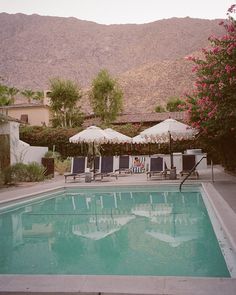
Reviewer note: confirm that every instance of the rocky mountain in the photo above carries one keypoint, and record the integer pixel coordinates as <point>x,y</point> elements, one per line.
<point>147,59</point>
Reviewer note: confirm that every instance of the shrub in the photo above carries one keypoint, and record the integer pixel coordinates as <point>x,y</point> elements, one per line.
<point>36,172</point>
<point>15,173</point>
<point>62,166</point>
<point>21,172</point>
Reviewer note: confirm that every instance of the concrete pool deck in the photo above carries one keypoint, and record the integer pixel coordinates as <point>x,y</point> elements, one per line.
<point>223,199</point>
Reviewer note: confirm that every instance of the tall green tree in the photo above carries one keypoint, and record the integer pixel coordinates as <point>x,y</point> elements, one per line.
<point>65,95</point>
<point>212,108</point>
<point>106,97</point>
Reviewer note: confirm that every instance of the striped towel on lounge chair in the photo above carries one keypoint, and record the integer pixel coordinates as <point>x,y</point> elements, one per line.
<point>138,164</point>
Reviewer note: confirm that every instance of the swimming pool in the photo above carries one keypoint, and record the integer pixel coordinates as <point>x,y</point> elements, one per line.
<point>114,231</point>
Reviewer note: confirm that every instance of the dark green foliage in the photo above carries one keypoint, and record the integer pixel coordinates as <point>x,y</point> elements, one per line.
<point>45,136</point>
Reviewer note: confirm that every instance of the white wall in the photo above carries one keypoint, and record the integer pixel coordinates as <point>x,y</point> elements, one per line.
<point>24,153</point>
<point>19,150</point>
<point>34,154</point>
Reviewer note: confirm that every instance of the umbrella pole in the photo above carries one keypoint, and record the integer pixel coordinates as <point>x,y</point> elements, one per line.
<point>93,161</point>
<point>170,151</point>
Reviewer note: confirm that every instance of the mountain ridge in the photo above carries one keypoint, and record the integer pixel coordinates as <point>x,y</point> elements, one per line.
<point>36,48</point>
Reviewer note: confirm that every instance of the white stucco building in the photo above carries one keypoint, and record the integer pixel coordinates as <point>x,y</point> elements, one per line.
<point>12,149</point>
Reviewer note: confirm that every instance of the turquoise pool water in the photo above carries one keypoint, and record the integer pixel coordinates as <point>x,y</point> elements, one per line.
<point>111,231</point>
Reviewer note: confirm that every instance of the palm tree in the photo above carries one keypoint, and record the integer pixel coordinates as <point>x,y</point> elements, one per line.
<point>29,94</point>
<point>12,91</point>
<point>39,95</point>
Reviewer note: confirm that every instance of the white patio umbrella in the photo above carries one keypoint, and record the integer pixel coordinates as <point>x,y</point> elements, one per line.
<point>167,131</point>
<point>140,140</point>
<point>91,135</point>
<point>118,137</point>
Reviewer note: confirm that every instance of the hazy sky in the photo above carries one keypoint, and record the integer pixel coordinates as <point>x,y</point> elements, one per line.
<point>120,11</point>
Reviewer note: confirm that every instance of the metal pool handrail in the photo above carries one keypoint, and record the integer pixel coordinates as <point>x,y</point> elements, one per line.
<point>190,172</point>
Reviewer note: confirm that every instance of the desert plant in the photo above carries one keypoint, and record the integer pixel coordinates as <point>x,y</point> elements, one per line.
<point>62,166</point>
<point>15,173</point>
<point>36,172</point>
<point>22,172</point>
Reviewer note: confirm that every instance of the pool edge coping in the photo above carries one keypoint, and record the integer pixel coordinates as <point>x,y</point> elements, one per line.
<point>72,284</point>
<point>224,212</point>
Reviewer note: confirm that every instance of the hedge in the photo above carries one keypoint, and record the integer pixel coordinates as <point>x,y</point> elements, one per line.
<point>59,138</point>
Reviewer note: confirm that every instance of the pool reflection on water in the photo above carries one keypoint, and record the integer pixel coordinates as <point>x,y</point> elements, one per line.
<point>112,232</point>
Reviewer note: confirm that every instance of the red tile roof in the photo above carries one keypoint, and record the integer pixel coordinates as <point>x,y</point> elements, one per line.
<point>148,117</point>
<point>139,118</point>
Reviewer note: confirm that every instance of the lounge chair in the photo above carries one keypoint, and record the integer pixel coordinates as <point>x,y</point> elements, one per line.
<point>189,162</point>
<point>77,168</point>
<point>124,165</point>
<point>107,168</point>
<point>157,167</point>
